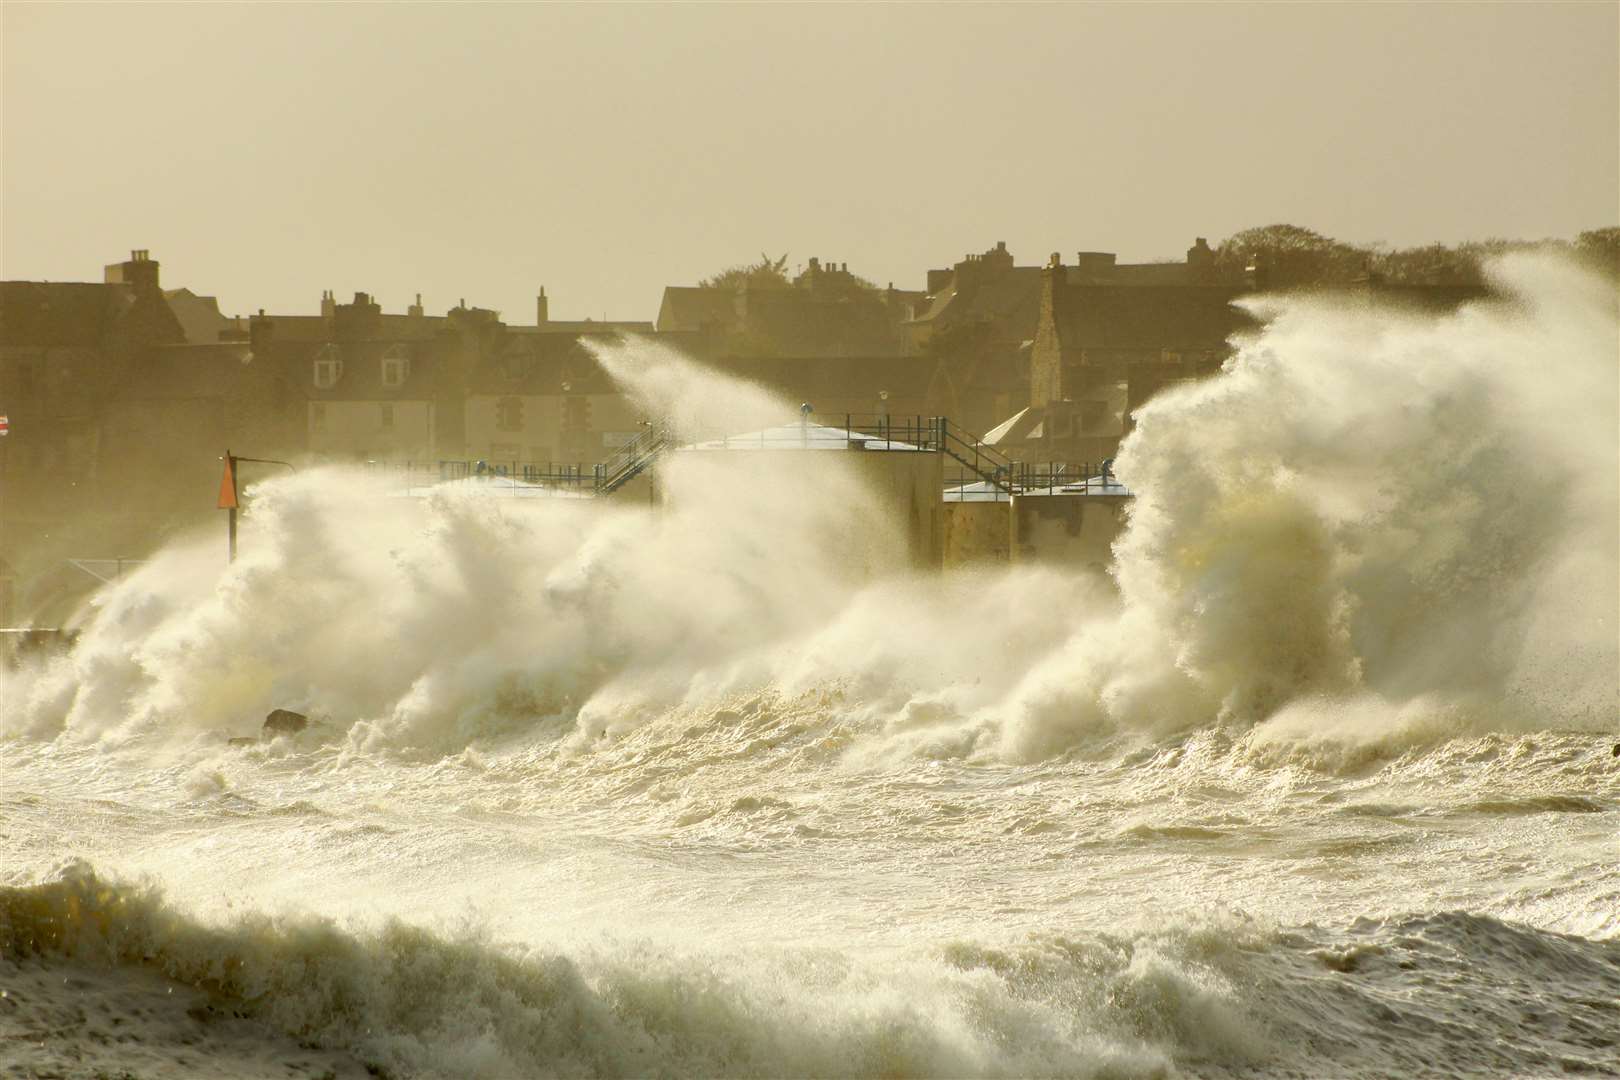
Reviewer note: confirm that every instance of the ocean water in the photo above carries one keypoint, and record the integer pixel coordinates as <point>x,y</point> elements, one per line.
<point>1320,781</point>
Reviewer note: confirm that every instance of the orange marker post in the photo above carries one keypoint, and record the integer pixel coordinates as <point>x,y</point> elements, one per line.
<point>228,502</point>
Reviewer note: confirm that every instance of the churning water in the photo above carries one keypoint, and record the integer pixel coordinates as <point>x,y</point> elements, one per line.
<point>1320,784</point>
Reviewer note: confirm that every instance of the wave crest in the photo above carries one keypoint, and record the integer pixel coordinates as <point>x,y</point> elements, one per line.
<point>1374,527</point>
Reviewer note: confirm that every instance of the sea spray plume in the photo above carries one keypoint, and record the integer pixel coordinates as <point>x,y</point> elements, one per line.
<point>428,624</point>
<point>1372,523</point>
<point>677,392</point>
<point>1413,512</point>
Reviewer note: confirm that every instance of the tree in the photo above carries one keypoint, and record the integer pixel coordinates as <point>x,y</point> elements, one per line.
<point>1431,264</point>
<point>1292,255</point>
<point>1601,247</point>
<point>768,273</point>
<point>1298,256</point>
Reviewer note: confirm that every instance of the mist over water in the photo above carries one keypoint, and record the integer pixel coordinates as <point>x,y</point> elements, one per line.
<point>1320,774</point>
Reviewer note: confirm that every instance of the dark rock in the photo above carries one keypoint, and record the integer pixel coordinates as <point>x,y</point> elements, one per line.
<point>243,741</point>
<point>285,722</point>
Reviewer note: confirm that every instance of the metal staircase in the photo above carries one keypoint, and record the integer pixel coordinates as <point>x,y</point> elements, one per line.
<point>978,461</point>
<point>936,433</point>
<point>630,460</point>
<point>986,462</point>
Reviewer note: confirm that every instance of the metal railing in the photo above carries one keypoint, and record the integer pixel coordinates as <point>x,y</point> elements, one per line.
<point>970,460</point>
<point>522,477</point>
<point>629,460</point>
<point>1023,478</point>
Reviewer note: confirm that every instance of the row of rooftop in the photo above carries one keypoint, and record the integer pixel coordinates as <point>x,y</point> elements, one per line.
<point>122,393</point>
<point>31,313</point>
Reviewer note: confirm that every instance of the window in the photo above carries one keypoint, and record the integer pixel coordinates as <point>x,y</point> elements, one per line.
<point>576,413</point>
<point>519,363</point>
<point>328,367</point>
<point>509,414</point>
<point>317,416</point>
<point>387,412</point>
<point>396,367</point>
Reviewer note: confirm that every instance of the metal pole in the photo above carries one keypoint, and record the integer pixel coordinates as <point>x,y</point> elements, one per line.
<point>230,511</point>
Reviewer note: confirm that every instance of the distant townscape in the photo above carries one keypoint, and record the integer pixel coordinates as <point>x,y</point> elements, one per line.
<point>120,396</point>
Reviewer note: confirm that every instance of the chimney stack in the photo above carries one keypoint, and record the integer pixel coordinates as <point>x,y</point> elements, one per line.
<point>139,272</point>
<point>542,310</point>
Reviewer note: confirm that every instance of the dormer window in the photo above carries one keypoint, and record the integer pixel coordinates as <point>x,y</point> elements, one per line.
<point>328,367</point>
<point>396,367</point>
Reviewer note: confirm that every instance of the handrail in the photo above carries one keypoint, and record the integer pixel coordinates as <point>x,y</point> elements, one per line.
<point>987,463</point>
<point>933,434</point>
<point>629,460</point>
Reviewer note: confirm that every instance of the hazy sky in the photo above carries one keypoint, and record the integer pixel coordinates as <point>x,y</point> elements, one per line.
<point>264,153</point>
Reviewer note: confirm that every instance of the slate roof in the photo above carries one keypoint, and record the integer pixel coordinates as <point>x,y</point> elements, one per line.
<point>694,307</point>
<point>191,372</point>
<point>797,321</point>
<point>1168,317</point>
<point>362,374</point>
<point>1011,297</point>
<point>411,327</point>
<point>389,327</point>
<point>791,321</point>
<point>48,313</point>
<point>1158,274</point>
<point>537,365</point>
<point>299,327</point>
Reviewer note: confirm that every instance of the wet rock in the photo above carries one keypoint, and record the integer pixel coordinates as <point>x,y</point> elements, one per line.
<point>243,741</point>
<point>284,722</point>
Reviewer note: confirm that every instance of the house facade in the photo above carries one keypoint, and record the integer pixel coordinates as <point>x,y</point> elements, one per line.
<point>543,399</point>
<point>1106,342</point>
<point>65,350</point>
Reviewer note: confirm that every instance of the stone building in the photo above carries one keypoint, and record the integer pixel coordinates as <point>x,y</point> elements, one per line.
<point>981,315</point>
<point>65,349</point>
<point>541,399</point>
<point>1110,336</point>
<point>1106,341</point>
<point>371,386</point>
<point>177,409</point>
<point>824,312</point>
